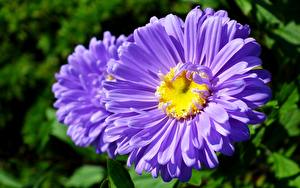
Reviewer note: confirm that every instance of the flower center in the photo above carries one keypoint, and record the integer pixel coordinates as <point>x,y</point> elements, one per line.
<point>181,97</point>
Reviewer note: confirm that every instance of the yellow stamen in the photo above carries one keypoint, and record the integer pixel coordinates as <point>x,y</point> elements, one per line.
<point>110,77</point>
<point>179,97</point>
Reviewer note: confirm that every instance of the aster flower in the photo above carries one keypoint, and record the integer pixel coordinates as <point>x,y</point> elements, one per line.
<point>80,95</point>
<point>185,90</point>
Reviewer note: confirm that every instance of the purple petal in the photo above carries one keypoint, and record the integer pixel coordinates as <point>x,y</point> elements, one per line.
<point>216,112</point>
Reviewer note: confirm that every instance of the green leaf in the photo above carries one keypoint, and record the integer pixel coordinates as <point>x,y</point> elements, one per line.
<point>105,184</point>
<point>122,158</point>
<point>291,121</point>
<point>265,16</point>
<point>216,183</point>
<point>58,130</point>
<point>205,3</point>
<point>285,92</point>
<point>147,181</point>
<point>295,182</point>
<point>260,181</point>
<point>272,109</point>
<point>37,128</point>
<point>259,136</point>
<point>245,6</point>
<point>284,167</point>
<point>196,178</point>
<point>289,152</point>
<point>8,181</point>
<point>118,175</point>
<point>269,42</point>
<point>289,114</point>
<point>86,176</point>
<point>44,43</point>
<point>289,32</point>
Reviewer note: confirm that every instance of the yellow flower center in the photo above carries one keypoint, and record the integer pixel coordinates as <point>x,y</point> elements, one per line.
<point>180,97</point>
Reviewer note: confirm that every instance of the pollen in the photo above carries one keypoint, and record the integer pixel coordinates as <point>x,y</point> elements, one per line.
<point>180,97</point>
<point>109,77</point>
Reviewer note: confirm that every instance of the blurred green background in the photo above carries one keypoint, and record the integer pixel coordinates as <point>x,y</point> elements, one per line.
<point>36,37</point>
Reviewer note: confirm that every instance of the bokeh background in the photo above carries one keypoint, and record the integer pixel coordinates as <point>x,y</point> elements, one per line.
<point>36,37</point>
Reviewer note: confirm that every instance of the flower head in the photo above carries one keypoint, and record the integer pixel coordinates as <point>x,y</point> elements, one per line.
<point>80,94</point>
<point>185,90</point>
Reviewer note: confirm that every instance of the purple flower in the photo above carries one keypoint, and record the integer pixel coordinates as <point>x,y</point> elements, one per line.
<point>80,94</point>
<point>184,91</point>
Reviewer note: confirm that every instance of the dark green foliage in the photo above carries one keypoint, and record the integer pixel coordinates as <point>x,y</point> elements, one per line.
<point>118,176</point>
<point>146,181</point>
<point>85,176</point>
<point>37,35</point>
